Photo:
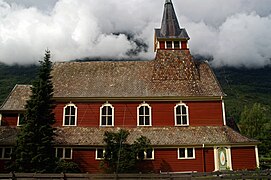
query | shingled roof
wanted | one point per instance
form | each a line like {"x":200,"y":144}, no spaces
{"x":159,"y":136}
{"x":171,"y":74}
{"x":17,"y":98}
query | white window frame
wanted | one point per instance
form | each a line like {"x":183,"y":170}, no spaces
{"x":96,"y":153}
{"x":186,"y":153}
{"x":18,"y":120}
{"x":101,"y":115}
{"x":145,"y":155}
{"x":174,"y":45}
{"x":63,"y":152}
{"x":64,"y":109}
{"x":2,"y":156}
{"x":187,"y":114}
{"x":150,"y":114}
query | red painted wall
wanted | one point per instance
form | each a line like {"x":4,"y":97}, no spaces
{"x":162,"y":44}
{"x":243,"y":158}
{"x":200,"y":114}
{"x":184,"y":44}
{"x":3,"y":166}
{"x":165,"y":161}
{"x":9,"y":119}
{"x":86,"y":160}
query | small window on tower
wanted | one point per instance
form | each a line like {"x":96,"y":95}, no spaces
{"x":176,"y":44}
{"x":169,"y":44}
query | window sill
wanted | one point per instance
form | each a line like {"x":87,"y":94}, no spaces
{"x":187,"y":158}
{"x":179,"y":125}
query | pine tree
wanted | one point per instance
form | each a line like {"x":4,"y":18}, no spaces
{"x":120,"y":156}
{"x":34,"y":151}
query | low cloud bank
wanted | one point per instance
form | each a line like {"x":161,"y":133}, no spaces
{"x":234,"y":32}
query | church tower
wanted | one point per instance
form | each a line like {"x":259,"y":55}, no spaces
{"x":170,"y":36}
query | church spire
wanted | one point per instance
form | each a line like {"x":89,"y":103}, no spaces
{"x":170,"y":36}
{"x":170,"y":25}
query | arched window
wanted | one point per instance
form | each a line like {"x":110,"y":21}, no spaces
{"x":144,"y":115}
{"x":70,"y":115}
{"x":107,"y":115}
{"x":181,"y":115}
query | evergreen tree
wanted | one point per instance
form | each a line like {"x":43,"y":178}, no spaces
{"x":34,"y":151}
{"x":120,"y":156}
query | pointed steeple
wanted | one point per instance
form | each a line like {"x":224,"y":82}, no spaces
{"x":170,"y":36}
{"x":170,"y":25}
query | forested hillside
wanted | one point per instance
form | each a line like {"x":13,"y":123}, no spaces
{"x":12,"y":75}
{"x":242,"y":86}
{"x":245,"y":87}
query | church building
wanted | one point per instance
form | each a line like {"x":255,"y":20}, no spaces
{"x":173,"y":100}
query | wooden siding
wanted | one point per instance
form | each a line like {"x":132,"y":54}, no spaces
{"x":166,"y":160}
{"x":184,"y":44}
{"x":205,"y":113}
{"x":200,"y":114}
{"x":9,"y":119}
{"x":162,"y":44}
{"x":85,"y":158}
{"x":243,"y":158}
{"x":3,"y":166}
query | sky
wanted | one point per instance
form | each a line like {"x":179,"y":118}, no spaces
{"x":232,"y":32}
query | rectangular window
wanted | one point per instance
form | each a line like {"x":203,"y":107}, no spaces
{"x":169,"y":44}
{"x":100,"y":153}
{"x":147,"y":154}
{"x":63,"y":153}
{"x":5,"y":153}
{"x":186,"y":153}
{"x":176,"y":44}
{"x":21,"y":119}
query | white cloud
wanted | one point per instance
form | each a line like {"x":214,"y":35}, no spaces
{"x":234,"y":32}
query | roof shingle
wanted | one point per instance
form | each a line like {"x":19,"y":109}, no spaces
{"x":159,"y":136}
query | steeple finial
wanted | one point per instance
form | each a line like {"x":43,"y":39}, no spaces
{"x":170,"y":25}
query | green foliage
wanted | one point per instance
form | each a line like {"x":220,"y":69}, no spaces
{"x":255,"y":124}
{"x":244,"y":87}
{"x":67,"y":167}
{"x":12,"y":75}
{"x":34,"y":151}
{"x":120,"y":156}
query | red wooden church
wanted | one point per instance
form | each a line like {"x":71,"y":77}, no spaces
{"x":173,"y":100}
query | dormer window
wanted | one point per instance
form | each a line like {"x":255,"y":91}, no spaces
{"x":70,"y":115}
{"x":107,"y":115}
{"x":144,"y":115}
{"x":169,"y":44}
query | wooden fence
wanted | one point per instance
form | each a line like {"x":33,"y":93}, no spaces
{"x":266,"y":175}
